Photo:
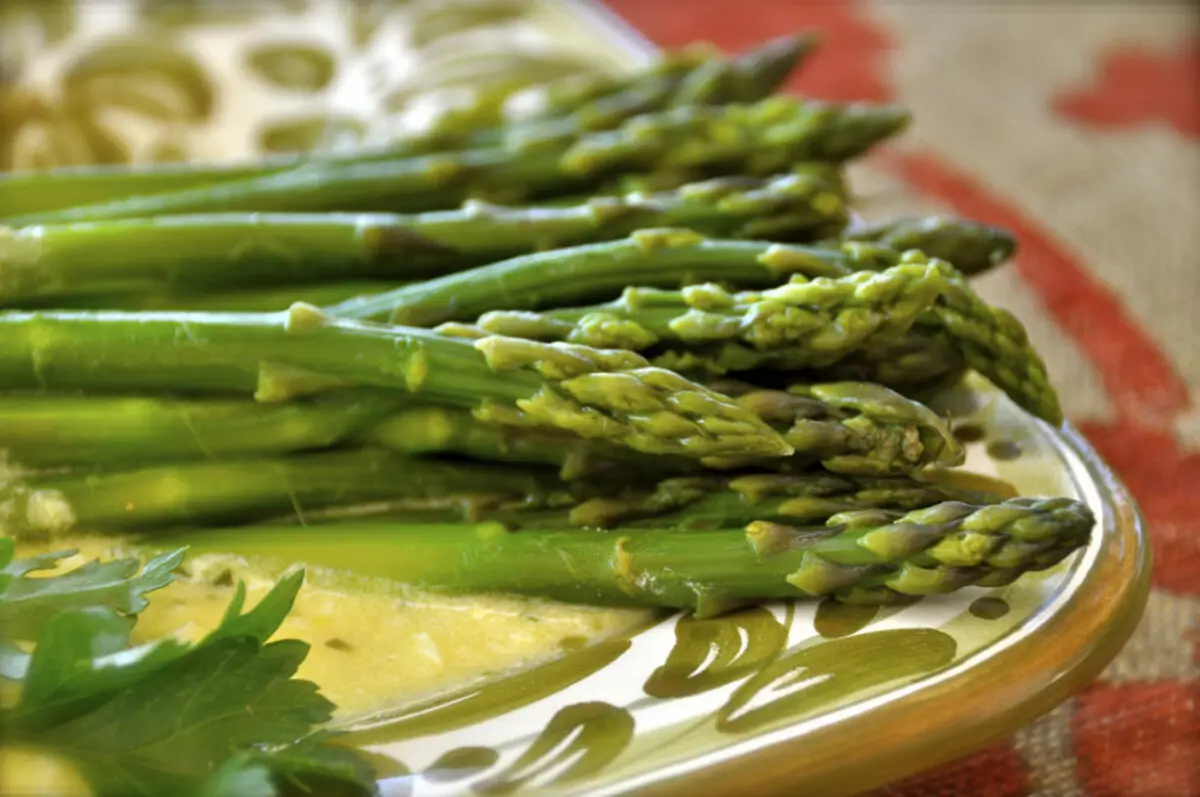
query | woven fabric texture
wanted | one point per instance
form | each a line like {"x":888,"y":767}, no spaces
{"x":1077,"y":125}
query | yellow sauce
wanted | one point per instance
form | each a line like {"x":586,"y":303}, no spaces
{"x":374,"y":645}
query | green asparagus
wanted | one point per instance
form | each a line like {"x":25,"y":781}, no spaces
{"x":226,"y":250}
{"x":591,"y":102}
{"x":67,"y":431}
{"x":612,"y":395}
{"x":849,"y":428}
{"x":854,"y":428}
{"x":271,"y":298}
{"x":714,"y":502}
{"x":913,"y":362}
{"x":803,"y":324}
{"x":695,"y":69}
{"x":867,"y":556}
{"x":763,"y":138}
{"x":808,"y":323}
{"x":970,"y":246}
{"x":698,"y":502}
{"x":237,"y":491}
{"x":667,"y":256}
{"x":431,"y":430}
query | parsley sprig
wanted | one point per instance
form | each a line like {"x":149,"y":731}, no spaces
{"x":223,"y":716}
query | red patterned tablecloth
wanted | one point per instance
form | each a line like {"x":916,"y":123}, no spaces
{"x":1076,"y":124}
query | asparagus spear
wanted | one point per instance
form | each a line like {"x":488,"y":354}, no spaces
{"x":854,"y":428}
{"x":862,"y":557}
{"x":597,"y":394}
{"x":971,"y":246}
{"x":848,"y":428}
{"x":699,"y":74}
{"x":54,"y":431}
{"x":696,"y":502}
{"x":701,"y":77}
{"x":916,"y":360}
{"x":232,"y":249}
{"x":757,"y":139}
{"x":591,"y":102}
{"x":245,"y":300}
{"x":713,"y":502}
{"x":425,"y":430}
{"x":876,"y":435}
{"x":663,"y":256}
{"x":804,"y":324}
{"x":236,"y":491}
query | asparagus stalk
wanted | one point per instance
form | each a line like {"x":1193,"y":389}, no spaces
{"x":246,"y":300}
{"x":698,"y":77}
{"x":808,"y":323}
{"x":235,"y":249}
{"x":698,"y":74}
{"x":913,"y":362}
{"x":805,"y":323}
{"x":714,"y":502}
{"x":695,"y":502}
{"x":756,"y":139}
{"x":861,"y":557}
{"x":55,"y":431}
{"x":614,"y":395}
{"x":849,"y":428}
{"x":855,"y":428}
{"x":237,"y":491}
{"x":586,"y":103}
{"x":432,"y":430}
{"x":665,"y":256}
{"x":255,"y":300}
{"x":971,"y":246}
{"x":63,"y":431}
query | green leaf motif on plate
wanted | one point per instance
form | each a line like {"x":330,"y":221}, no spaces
{"x":713,"y":652}
{"x":162,"y":84}
{"x":837,"y":619}
{"x":307,"y":133}
{"x":214,"y":12}
{"x":483,"y":701}
{"x":432,"y":21}
{"x":296,"y":67}
{"x":461,"y":763}
{"x":150,"y":78}
{"x":588,"y":735}
{"x":819,"y":675}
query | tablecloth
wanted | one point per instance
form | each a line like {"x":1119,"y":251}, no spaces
{"x":1077,"y":125}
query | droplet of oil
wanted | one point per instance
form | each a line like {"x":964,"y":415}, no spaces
{"x":989,"y":608}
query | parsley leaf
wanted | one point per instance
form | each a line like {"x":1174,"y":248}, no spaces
{"x":27,"y":604}
{"x":222,"y":717}
{"x":173,"y":728}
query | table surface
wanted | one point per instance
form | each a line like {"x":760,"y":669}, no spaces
{"x":1078,"y":126}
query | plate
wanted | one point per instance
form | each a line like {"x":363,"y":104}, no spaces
{"x":824,"y":698}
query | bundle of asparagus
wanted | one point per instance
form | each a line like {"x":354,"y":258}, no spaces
{"x":393,"y":350}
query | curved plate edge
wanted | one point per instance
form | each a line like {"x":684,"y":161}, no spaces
{"x":987,"y":699}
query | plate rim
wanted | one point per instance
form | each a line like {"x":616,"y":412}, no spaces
{"x":976,"y":702}
{"x":989,"y":698}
